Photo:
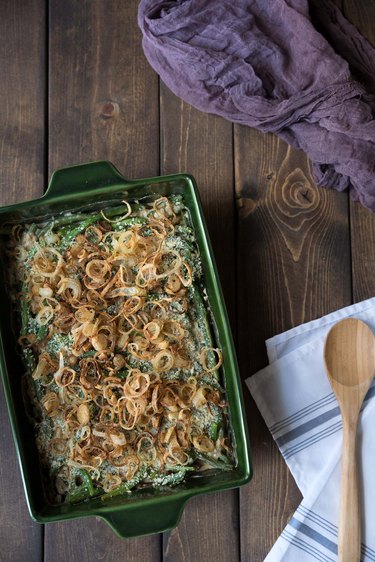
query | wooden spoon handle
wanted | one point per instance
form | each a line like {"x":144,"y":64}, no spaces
{"x":349,"y":537}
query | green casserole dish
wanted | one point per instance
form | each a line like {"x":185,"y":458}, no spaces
{"x":88,"y":187}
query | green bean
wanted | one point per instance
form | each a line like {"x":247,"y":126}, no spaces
{"x":24,"y":317}
{"x":68,"y":234}
{"x":109,"y":212}
{"x":179,"y":468}
{"x":84,"y":490}
{"x":42,"y":231}
{"x":25,"y":312}
{"x":78,"y":494}
{"x":87,"y":481}
{"x":221,"y":462}
{"x":202,"y":323}
{"x":122,"y":489}
{"x":217,"y":422}
{"x":128,"y":221}
{"x":38,"y":389}
{"x":214,"y":430}
{"x":72,"y":218}
{"x":68,"y":219}
{"x":126,"y":486}
{"x":42,"y":332}
{"x":168,"y":479}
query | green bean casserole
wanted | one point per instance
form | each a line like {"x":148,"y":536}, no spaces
{"x":122,"y":369}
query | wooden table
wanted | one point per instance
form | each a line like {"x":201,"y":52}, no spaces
{"x":75,"y":87}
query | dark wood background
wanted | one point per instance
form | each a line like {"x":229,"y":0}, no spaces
{"x":75,"y":87}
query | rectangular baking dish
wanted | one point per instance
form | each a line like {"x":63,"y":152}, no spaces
{"x":88,"y":187}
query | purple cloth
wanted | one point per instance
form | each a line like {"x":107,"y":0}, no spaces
{"x":294,"y":68}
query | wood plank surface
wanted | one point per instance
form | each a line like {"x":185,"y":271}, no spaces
{"x":201,"y":144}
{"x":362,"y":14}
{"x":103,"y":104}
{"x":293,"y":266}
{"x":103,"y":95}
{"x":22,"y":103}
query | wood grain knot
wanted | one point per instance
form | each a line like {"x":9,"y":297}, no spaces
{"x":109,"y":109}
{"x":298,"y":194}
{"x":296,"y":208}
{"x":245,"y":206}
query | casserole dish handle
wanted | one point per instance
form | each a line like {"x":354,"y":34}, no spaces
{"x":73,"y":179}
{"x":146,"y":520}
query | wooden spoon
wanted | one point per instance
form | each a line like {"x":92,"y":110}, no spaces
{"x":349,"y":356}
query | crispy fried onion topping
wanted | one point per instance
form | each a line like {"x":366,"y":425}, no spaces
{"x":115,"y":302}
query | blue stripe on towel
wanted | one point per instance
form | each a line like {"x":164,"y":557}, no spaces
{"x":366,"y":552}
{"x":305,"y":546}
{"x":303,"y":412}
{"x":312,"y":424}
{"x":308,"y":426}
{"x":312,"y":440}
{"x":313,"y":534}
{"x":318,"y":520}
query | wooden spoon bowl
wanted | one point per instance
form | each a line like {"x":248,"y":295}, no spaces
{"x":349,"y":356}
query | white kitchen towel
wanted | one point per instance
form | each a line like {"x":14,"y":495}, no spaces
{"x":295,"y":398}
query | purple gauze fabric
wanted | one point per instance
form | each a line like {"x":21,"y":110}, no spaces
{"x":266,"y":65}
